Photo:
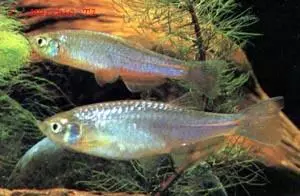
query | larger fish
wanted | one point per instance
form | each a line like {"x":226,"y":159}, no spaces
{"x":126,"y":130}
{"x":110,"y":57}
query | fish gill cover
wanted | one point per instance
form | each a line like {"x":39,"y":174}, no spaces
{"x":196,"y":30}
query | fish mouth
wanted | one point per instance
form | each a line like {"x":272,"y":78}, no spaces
{"x":30,"y":39}
{"x":41,"y":126}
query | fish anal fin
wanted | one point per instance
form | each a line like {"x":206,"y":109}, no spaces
{"x":188,"y":155}
{"x":181,"y":155}
{"x":106,"y":76}
{"x":179,"y":158}
{"x":142,"y":84}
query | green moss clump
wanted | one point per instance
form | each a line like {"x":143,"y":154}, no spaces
{"x":14,"y":47}
{"x":8,"y":23}
{"x":14,"y":52}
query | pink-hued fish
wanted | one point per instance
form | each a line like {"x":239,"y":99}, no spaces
{"x":109,"y":57}
{"x":125,"y":130}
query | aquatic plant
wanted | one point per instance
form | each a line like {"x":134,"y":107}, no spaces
{"x":199,"y":30}
{"x":24,"y":97}
{"x":209,"y":26}
{"x":14,"y":48}
{"x":168,"y":19}
{"x":14,"y":51}
{"x":203,"y":29}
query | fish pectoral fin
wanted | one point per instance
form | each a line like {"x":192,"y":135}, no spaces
{"x":139,"y":85}
{"x":103,"y":77}
{"x":93,"y":142}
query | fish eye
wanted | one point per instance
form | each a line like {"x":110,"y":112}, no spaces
{"x":41,"y":41}
{"x":56,"y":127}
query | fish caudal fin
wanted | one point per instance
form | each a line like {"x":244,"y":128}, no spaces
{"x":206,"y":77}
{"x":261,"y":122}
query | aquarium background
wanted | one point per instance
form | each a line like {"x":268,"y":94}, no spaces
{"x":276,"y":61}
{"x":274,"y":57}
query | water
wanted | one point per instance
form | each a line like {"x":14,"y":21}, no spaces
{"x":274,"y":60}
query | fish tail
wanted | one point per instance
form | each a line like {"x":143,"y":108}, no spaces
{"x":206,"y":77}
{"x":261,"y":122}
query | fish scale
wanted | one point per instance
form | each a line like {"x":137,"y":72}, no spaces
{"x":110,"y":57}
{"x":134,"y":129}
{"x":95,"y":51}
{"x":150,"y":126}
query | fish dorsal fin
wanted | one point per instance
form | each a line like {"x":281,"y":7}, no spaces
{"x":139,"y":85}
{"x":190,"y":100}
{"x":106,"y":76}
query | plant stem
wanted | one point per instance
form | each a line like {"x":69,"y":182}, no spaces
{"x":199,"y":41}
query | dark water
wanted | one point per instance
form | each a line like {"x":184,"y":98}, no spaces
{"x":275,"y":55}
{"x":276,"y":62}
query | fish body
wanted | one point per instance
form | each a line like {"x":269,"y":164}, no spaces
{"x":109,"y":57}
{"x":127,"y":130}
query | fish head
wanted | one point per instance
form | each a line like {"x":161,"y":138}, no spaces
{"x":69,"y":133}
{"x":46,"y":45}
{"x":62,"y":131}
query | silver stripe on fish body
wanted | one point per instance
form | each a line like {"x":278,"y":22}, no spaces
{"x":103,"y":51}
{"x":133,"y":129}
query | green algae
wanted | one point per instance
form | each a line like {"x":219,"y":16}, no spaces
{"x":8,"y":23}
{"x":14,"y":51}
{"x":14,"y":47}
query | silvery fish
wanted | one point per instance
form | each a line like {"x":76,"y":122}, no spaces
{"x":125,"y":130}
{"x":109,"y":57}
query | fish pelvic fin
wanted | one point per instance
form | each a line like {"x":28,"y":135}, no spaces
{"x":140,"y":85}
{"x":261,"y":122}
{"x":206,"y":77}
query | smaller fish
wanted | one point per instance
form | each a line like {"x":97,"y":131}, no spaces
{"x":109,"y":57}
{"x":126,"y":130}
